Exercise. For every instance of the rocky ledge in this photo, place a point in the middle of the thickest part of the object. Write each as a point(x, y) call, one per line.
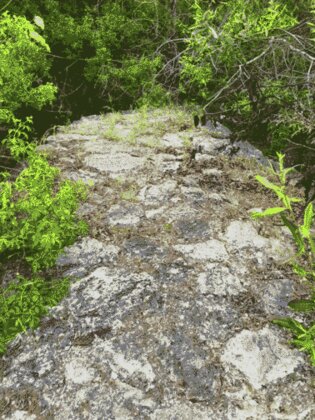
point(173, 290)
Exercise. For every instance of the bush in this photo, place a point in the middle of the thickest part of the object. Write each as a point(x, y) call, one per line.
point(23, 66)
point(253, 62)
point(37, 220)
point(24, 302)
point(37, 211)
point(37, 215)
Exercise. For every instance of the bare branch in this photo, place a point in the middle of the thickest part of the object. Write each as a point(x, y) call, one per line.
point(297, 50)
point(168, 42)
point(4, 7)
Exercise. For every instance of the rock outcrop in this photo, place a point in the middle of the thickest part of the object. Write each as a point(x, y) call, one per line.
point(170, 315)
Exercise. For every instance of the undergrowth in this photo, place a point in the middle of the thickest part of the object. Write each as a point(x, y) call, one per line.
point(37, 220)
point(24, 302)
point(303, 262)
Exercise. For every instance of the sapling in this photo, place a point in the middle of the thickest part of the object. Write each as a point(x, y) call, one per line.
point(303, 262)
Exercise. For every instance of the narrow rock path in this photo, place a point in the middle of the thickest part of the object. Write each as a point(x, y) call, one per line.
point(177, 285)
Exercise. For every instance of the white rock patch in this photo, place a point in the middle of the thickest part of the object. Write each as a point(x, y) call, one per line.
point(76, 372)
point(218, 280)
point(114, 164)
point(260, 356)
point(212, 250)
point(21, 415)
point(243, 235)
point(173, 140)
point(157, 193)
point(125, 215)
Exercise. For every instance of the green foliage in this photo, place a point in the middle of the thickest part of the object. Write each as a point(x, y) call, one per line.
point(302, 305)
point(17, 138)
point(38, 217)
point(24, 302)
point(116, 54)
point(37, 220)
point(37, 212)
point(303, 262)
point(304, 336)
point(23, 65)
point(253, 62)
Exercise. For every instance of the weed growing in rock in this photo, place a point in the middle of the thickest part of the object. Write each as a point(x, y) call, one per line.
point(24, 302)
point(303, 263)
point(168, 227)
point(130, 195)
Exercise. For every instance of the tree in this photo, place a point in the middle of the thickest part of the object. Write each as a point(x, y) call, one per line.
point(253, 62)
point(24, 66)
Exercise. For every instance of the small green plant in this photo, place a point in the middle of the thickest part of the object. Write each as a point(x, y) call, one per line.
point(303, 262)
point(129, 195)
point(168, 227)
point(24, 302)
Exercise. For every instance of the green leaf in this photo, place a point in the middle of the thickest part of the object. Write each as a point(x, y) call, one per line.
point(295, 233)
point(299, 270)
point(38, 38)
point(308, 218)
point(296, 200)
point(39, 22)
point(304, 344)
point(288, 170)
point(312, 245)
point(290, 324)
point(302, 305)
point(271, 186)
point(269, 212)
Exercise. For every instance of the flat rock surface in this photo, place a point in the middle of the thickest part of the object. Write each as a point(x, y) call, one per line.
point(173, 290)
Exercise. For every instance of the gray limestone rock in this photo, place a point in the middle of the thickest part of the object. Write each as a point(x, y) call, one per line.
point(88, 253)
point(243, 148)
point(209, 145)
point(168, 314)
point(114, 165)
point(157, 193)
point(212, 250)
point(260, 357)
point(125, 214)
point(243, 235)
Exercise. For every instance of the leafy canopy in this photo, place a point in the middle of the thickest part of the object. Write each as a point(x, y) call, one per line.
point(23, 65)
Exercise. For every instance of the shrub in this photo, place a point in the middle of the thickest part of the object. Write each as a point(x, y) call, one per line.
point(37, 211)
point(23, 66)
point(37, 215)
point(37, 220)
point(24, 302)
point(253, 62)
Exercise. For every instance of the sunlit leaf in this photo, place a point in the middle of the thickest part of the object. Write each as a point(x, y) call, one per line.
point(39, 22)
point(271, 186)
point(38, 38)
point(308, 218)
point(269, 212)
point(295, 233)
